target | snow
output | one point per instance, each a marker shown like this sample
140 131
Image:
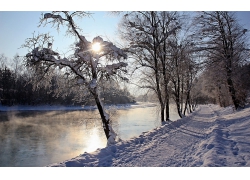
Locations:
112 137
211 136
84 40
111 69
97 39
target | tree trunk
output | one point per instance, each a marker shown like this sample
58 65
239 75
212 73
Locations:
178 107
104 116
157 78
178 100
185 107
179 110
166 82
232 89
167 109
189 105
219 96
162 113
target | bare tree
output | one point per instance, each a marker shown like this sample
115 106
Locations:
147 33
223 40
90 63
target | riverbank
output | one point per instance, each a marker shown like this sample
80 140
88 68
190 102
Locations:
39 138
72 108
211 136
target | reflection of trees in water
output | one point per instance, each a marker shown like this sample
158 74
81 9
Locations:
172 111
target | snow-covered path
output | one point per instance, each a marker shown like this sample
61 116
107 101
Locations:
211 136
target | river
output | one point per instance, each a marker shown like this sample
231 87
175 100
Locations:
40 138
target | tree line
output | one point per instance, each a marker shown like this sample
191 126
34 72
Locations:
21 86
188 58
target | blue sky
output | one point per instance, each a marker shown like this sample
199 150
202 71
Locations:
16 26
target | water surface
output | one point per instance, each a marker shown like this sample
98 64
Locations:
40 138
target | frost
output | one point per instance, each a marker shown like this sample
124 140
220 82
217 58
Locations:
83 44
110 69
84 40
85 57
118 51
112 136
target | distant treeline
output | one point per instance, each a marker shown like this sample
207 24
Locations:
211 86
19 86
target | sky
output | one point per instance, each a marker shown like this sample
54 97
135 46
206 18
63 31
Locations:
18 22
16 26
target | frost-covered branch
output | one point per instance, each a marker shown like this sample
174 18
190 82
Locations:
87 64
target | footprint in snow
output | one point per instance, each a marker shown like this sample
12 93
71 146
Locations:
210 146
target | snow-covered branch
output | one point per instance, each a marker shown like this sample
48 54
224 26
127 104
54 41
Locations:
85 64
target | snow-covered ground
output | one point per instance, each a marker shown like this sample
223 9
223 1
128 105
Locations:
211 136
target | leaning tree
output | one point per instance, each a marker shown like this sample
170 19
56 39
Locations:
90 63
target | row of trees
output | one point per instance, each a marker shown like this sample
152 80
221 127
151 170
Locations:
223 43
173 53
20 86
211 86
163 57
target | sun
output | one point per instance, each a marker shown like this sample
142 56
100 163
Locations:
96 47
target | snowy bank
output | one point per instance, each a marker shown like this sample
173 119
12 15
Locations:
211 136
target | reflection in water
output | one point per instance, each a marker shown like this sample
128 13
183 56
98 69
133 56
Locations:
40 138
94 141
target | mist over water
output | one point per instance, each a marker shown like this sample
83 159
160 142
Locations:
40 138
